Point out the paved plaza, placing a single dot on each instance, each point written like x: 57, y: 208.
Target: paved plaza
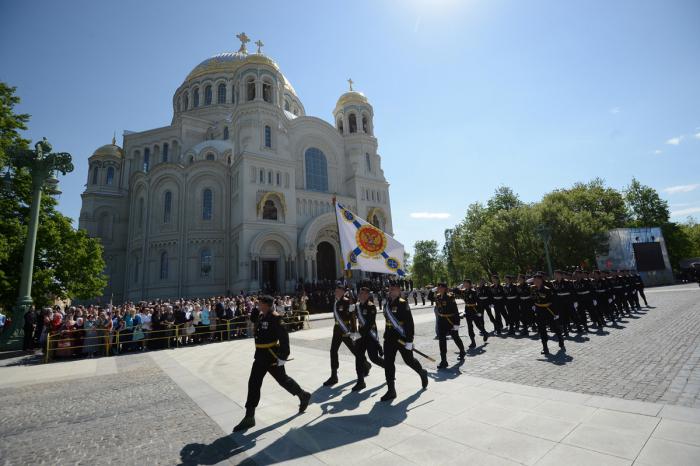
x: 629, y: 395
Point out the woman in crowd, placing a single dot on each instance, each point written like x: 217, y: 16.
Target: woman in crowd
x: 90, y: 339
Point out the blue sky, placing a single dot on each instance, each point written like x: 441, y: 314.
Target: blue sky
x: 468, y: 95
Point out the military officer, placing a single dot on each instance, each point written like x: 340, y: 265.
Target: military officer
x: 498, y: 300
x: 545, y: 313
x: 580, y: 294
x: 472, y: 314
x: 562, y: 302
x: 368, y: 342
x: 483, y: 292
x: 447, y: 323
x: 398, y: 336
x: 344, y: 330
x: 510, y: 291
x: 271, y: 352
x: 639, y: 287
x: 527, y: 317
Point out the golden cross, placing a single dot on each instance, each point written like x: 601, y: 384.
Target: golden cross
x: 260, y: 44
x: 244, y: 40
x: 350, y: 82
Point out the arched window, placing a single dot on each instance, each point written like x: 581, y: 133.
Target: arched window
x: 146, y: 159
x: 250, y: 89
x: 340, y: 125
x: 225, y: 133
x: 167, y: 206
x: 286, y: 105
x: 368, y: 162
x: 233, y: 94
x: 365, y: 124
x: 164, y: 154
x: 207, y: 95
x: 279, y: 179
x: 207, y: 203
x: 95, y: 175
x: 267, y: 91
x: 141, y: 212
x: 352, y: 123
x: 110, y: 176
x: 205, y: 263
x: 195, y: 97
x: 211, y: 156
x: 269, y: 177
x: 375, y: 221
x: 268, y: 136
x: 269, y: 211
x: 262, y: 176
x: 185, y: 101
x: 221, y: 93
x: 163, y: 265
x: 316, y: 170
x: 178, y: 104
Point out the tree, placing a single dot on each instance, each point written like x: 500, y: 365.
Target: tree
x: 645, y: 206
x: 68, y: 263
x: 425, y: 262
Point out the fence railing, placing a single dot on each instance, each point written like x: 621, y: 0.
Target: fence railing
x: 111, y: 342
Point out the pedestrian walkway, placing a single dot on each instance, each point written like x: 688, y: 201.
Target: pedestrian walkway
x: 459, y: 419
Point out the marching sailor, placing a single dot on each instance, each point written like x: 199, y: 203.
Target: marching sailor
x: 398, y: 336
x: 544, y: 312
x: 448, y: 323
x: 368, y: 341
x: 271, y: 352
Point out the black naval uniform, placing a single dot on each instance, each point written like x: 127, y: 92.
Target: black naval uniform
x: 639, y: 288
x: 602, y: 299
x: 447, y: 324
x: 563, y: 304
x: 341, y: 310
x: 546, y: 316
x: 473, y: 315
x: 512, y: 304
x: 395, y: 339
x: 527, y: 316
x: 618, y: 292
x: 499, y: 306
x: 366, y: 316
x: 584, y: 299
x: 484, y: 294
x: 271, y: 343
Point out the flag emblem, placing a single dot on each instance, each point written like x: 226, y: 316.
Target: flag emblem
x: 370, y: 240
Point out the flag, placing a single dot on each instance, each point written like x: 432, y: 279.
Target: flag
x: 366, y: 247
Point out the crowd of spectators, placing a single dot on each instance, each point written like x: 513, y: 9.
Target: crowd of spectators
x: 86, y: 331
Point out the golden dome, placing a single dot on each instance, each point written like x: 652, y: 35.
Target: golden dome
x: 351, y: 97
x: 112, y: 150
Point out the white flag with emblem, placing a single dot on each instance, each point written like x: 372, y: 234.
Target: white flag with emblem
x: 366, y: 247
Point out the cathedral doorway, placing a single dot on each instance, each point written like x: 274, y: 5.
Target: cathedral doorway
x: 325, y: 261
x: 269, y: 276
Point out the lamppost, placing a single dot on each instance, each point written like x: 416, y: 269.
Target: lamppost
x: 41, y: 164
x: 545, y: 233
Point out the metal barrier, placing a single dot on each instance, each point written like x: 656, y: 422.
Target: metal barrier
x: 113, y: 340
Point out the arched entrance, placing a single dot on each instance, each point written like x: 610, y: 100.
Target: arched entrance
x: 325, y: 261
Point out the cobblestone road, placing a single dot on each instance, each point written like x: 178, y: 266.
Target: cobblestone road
x: 653, y: 356
x: 138, y: 416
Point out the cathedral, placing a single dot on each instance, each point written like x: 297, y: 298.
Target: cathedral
x: 236, y: 193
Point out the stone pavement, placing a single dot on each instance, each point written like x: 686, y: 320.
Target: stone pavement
x: 179, y: 406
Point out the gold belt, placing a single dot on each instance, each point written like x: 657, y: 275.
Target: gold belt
x: 543, y: 305
x: 388, y: 324
x: 267, y: 345
x: 471, y: 305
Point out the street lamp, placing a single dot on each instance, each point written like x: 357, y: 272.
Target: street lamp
x: 41, y: 164
x: 545, y: 233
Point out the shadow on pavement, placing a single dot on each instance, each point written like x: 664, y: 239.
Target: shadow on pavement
x: 560, y: 358
x: 327, y: 434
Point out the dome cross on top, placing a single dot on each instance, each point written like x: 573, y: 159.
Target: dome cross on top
x: 244, y: 40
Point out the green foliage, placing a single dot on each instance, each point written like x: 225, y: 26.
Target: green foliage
x: 503, y: 236
x: 425, y: 262
x: 68, y: 264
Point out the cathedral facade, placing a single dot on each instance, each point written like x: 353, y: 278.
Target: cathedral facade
x: 236, y: 193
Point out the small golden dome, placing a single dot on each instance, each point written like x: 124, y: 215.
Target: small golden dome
x: 112, y: 150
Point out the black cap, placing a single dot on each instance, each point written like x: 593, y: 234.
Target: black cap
x: 340, y: 286
x: 557, y: 271
x: 468, y: 280
x: 267, y: 299
x: 509, y: 276
x: 442, y: 284
x: 394, y: 285
x: 539, y: 275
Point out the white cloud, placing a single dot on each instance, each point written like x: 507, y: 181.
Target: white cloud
x: 657, y: 152
x: 674, y: 141
x: 615, y: 110
x: 682, y: 188
x: 430, y: 215
x: 684, y: 212
x: 697, y: 135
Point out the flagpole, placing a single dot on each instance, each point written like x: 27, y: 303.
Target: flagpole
x: 340, y: 246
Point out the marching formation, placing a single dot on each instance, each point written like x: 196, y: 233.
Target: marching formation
x: 571, y: 302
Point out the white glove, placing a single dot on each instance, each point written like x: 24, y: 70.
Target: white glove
x: 575, y: 305
x: 354, y: 336
x: 280, y: 362
x: 609, y: 300
x: 533, y: 308
x: 479, y: 314
x: 409, y: 346
x: 455, y: 328
x: 556, y: 317
x: 595, y: 303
